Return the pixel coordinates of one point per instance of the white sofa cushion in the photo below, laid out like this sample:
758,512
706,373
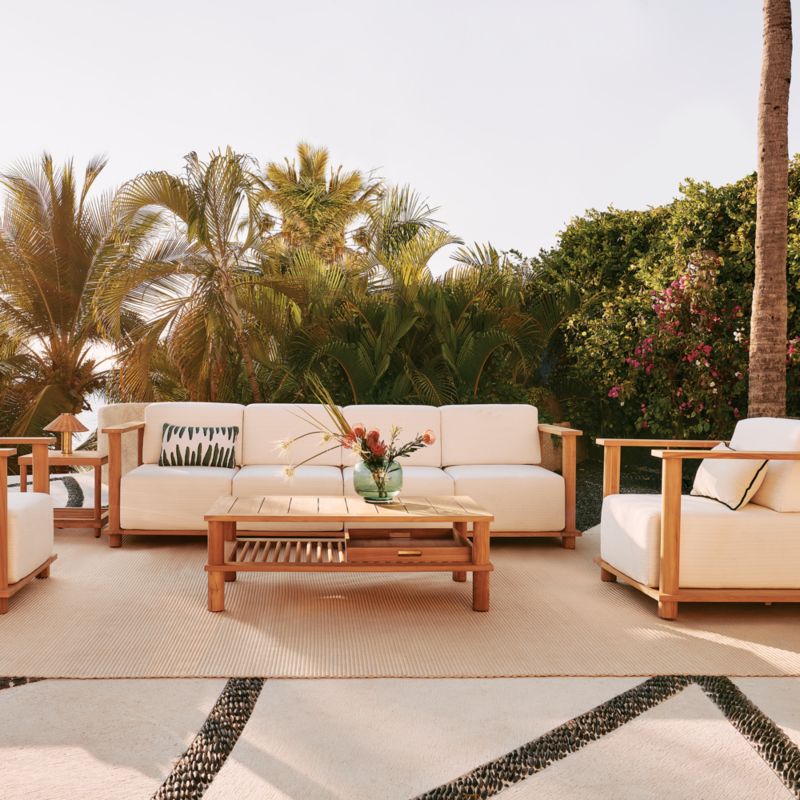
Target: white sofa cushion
271,479
156,414
30,533
753,548
490,434
522,497
412,420
266,425
780,489
732,482
171,498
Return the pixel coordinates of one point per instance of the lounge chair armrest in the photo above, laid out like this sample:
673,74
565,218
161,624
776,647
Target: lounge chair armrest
123,427
694,444
753,455
559,430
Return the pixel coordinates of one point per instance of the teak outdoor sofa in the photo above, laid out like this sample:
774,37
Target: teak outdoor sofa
490,452
679,549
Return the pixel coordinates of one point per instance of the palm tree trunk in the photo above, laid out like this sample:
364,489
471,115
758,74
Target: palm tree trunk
768,322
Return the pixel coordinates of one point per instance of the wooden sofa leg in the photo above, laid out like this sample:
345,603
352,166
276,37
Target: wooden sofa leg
606,576
668,609
3,605
230,577
115,540
459,577
45,573
568,542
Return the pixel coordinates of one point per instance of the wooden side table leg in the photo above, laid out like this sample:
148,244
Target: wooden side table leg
230,536
23,477
480,555
216,556
461,529
98,505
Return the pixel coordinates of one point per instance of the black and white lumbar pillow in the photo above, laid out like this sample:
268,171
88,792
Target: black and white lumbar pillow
198,446
732,482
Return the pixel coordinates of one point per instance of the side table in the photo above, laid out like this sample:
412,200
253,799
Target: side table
95,517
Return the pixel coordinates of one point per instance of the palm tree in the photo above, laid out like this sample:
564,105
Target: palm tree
316,206
768,325
54,243
194,246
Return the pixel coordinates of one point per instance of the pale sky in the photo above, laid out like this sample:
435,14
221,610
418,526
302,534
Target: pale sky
512,116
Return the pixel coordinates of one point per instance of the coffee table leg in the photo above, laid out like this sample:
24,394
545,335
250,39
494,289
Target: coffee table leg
480,555
230,536
460,528
216,557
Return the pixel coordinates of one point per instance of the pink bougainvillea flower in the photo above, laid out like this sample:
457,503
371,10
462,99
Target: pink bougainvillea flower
614,391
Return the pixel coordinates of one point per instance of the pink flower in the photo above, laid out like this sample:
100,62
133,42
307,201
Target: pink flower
428,437
373,435
614,391
359,430
378,448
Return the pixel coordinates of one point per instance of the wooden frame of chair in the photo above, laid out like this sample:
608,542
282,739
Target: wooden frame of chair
672,455
115,530
41,483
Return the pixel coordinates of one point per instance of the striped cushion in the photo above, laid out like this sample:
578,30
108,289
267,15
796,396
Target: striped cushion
196,446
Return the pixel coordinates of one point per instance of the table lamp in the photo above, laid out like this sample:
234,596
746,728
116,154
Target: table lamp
66,425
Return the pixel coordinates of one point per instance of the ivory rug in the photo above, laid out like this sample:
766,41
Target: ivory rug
140,612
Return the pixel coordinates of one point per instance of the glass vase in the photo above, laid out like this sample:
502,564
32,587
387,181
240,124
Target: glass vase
379,486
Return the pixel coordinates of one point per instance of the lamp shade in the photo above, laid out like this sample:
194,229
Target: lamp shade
66,423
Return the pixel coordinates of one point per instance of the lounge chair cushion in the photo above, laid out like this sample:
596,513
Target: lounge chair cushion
30,533
752,548
266,425
171,498
272,480
490,434
780,489
412,420
522,497
156,414
730,482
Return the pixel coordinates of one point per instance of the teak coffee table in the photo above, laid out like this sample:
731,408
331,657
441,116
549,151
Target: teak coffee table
376,549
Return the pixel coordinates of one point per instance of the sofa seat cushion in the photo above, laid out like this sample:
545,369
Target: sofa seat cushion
171,498
412,420
752,548
522,497
203,414
271,479
780,489
267,425
490,434
30,533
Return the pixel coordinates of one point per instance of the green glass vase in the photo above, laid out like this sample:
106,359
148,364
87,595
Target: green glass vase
379,486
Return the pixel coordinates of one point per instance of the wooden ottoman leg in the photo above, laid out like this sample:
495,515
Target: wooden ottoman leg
45,573
668,609
606,576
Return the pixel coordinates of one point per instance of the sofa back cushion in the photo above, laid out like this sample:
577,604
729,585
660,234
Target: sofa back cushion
203,414
410,419
780,489
490,434
266,425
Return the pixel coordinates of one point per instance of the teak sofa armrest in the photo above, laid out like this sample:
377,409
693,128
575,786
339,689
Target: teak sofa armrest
753,455
558,430
612,455
114,433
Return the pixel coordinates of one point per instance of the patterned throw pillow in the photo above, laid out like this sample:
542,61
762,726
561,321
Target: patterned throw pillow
196,446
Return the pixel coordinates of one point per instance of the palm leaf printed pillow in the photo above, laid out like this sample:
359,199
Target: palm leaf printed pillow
198,446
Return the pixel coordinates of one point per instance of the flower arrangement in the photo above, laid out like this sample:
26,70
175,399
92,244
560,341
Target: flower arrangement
377,457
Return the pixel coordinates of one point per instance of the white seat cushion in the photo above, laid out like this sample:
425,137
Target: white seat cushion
171,498
156,414
411,420
490,434
780,489
266,425
522,497
752,548
30,533
271,479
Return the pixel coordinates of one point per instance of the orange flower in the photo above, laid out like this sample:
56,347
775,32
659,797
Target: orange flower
378,449
429,437
373,435
359,430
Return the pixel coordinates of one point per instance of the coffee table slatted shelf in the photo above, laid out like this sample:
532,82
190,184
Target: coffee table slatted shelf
397,548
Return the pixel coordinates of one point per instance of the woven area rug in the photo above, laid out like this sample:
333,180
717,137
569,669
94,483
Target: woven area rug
140,611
